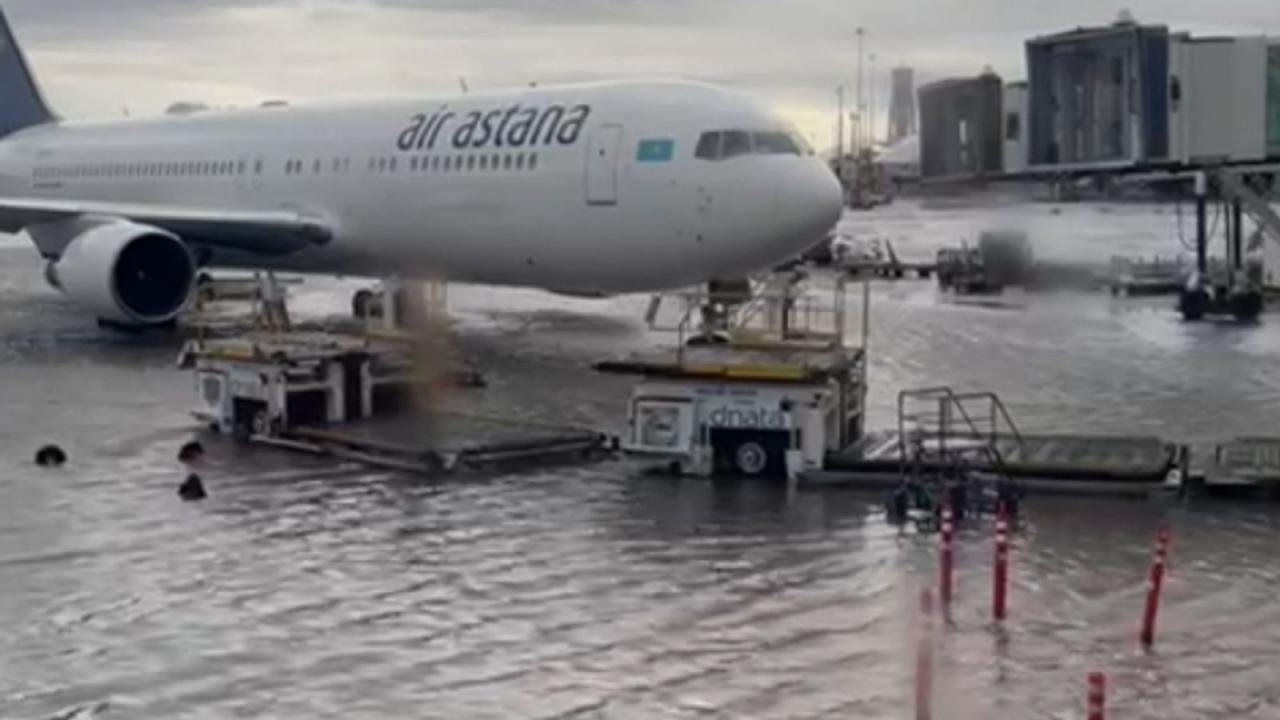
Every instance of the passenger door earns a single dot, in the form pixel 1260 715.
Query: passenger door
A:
pixel 602 165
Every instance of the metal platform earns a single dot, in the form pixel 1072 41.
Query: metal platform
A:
pixel 742 361
pixel 1245 466
pixel 1074 464
pixel 437 444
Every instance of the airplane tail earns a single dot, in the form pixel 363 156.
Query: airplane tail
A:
pixel 21 104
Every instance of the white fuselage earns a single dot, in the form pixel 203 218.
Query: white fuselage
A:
pixel 584 189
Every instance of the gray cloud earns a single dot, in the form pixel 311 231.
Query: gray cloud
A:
pixel 96 55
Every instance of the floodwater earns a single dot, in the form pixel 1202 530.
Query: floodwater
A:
pixel 312 590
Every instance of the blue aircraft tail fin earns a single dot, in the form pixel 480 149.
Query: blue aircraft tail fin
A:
pixel 21 105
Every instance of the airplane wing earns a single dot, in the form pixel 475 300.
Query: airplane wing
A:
pixel 269 232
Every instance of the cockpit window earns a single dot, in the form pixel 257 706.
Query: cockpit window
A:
pixel 724 144
pixel 708 146
pixel 736 142
pixel 775 143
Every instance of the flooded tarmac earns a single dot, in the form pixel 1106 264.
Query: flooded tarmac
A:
pixel 302 588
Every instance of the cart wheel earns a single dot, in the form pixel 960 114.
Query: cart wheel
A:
pixel 262 425
pixel 751 458
pixel 362 304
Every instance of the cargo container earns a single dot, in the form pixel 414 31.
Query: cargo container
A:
pixel 1015 127
pixel 1273 100
pixel 1217 99
pixel 1099 97
pixel 961 125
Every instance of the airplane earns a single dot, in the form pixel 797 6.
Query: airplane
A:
pixel 588 190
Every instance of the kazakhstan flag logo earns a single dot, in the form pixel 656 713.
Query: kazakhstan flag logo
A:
pixel 656 150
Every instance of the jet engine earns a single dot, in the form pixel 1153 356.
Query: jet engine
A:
pixel 126 273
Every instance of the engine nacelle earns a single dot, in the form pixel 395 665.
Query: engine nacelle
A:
pixel 126 273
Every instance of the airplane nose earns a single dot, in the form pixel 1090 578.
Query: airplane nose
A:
pixel 810 203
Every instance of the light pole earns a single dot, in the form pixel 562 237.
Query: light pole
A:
pixel 871 114
pixel 859 104
pixel 840 129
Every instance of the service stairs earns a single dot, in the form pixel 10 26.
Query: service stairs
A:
pixel 949 443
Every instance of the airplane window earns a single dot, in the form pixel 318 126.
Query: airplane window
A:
pixel 382 164
pixel 708 146
pixel 736 142
pixel 774 143
pixel 519 161
pixel 257 166
pixel 318 167
pixel 435 163
pixel 495 162
pixel 484 161
pixel 506 162
pixel 392 165
pixel 413 164
pixel 533 161
pixel 471 162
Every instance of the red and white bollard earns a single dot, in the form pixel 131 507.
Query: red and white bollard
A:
pixel 1097 701
pixel 924 658
pixel 1155 582
pixel 1000 573
pixel 945 569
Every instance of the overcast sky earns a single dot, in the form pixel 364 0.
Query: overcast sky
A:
pixel 95 58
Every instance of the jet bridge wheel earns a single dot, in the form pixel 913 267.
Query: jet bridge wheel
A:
pixel 1247 306
pixel 1193 304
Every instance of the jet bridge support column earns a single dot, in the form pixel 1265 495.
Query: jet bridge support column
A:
pixel 1202 225
pixel 1237 234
